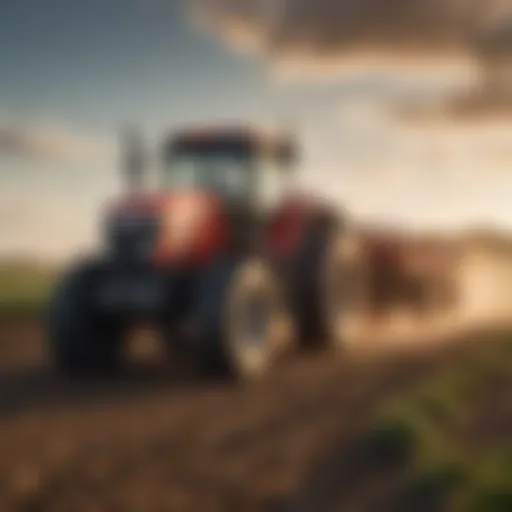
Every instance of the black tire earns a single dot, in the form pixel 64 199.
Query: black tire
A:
pixel 226 299
pixel 81 343
pixel 305 285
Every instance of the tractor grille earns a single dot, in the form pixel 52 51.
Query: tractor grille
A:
pixel 133 238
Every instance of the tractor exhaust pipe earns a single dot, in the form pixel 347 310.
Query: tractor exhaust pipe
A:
pixel 133 159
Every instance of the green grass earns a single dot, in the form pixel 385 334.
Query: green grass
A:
pixel 426 431
pixel 24 288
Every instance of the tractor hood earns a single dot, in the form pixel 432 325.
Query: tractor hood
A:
pixel 167 228
pixel 139 203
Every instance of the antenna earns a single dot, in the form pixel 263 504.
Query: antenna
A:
pixel 133 157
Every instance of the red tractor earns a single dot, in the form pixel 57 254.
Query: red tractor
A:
pixel 224 259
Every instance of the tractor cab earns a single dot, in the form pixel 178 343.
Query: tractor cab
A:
pixel 238 165
pixel 216 188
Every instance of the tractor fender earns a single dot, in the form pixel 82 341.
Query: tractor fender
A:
pixel 294 224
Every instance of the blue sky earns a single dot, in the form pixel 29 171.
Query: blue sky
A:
pixel 84 68
pixel 99 62
pixel 74 71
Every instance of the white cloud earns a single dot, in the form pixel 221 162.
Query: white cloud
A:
pixel 50 141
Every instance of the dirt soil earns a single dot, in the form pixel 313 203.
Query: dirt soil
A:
pixel 153 441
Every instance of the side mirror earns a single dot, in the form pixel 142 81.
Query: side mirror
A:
pixel 133 159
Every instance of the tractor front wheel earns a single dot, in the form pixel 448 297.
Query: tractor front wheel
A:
pixel 81 342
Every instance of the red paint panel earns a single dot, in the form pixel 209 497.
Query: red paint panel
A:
pixel 199 239
pixel 288 228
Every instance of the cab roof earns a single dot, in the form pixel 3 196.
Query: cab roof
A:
pixel 237 138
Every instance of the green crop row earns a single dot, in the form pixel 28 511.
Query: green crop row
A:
pixel 429 433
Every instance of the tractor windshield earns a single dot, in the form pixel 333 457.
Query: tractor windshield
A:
pixel 222 172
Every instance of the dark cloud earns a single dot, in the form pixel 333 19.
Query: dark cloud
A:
pixel 485 102
pixel 389 29
pixel 322 27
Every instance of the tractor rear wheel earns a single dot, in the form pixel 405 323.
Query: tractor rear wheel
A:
pixel 81 342
pixel 243 321
pixel 305 287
